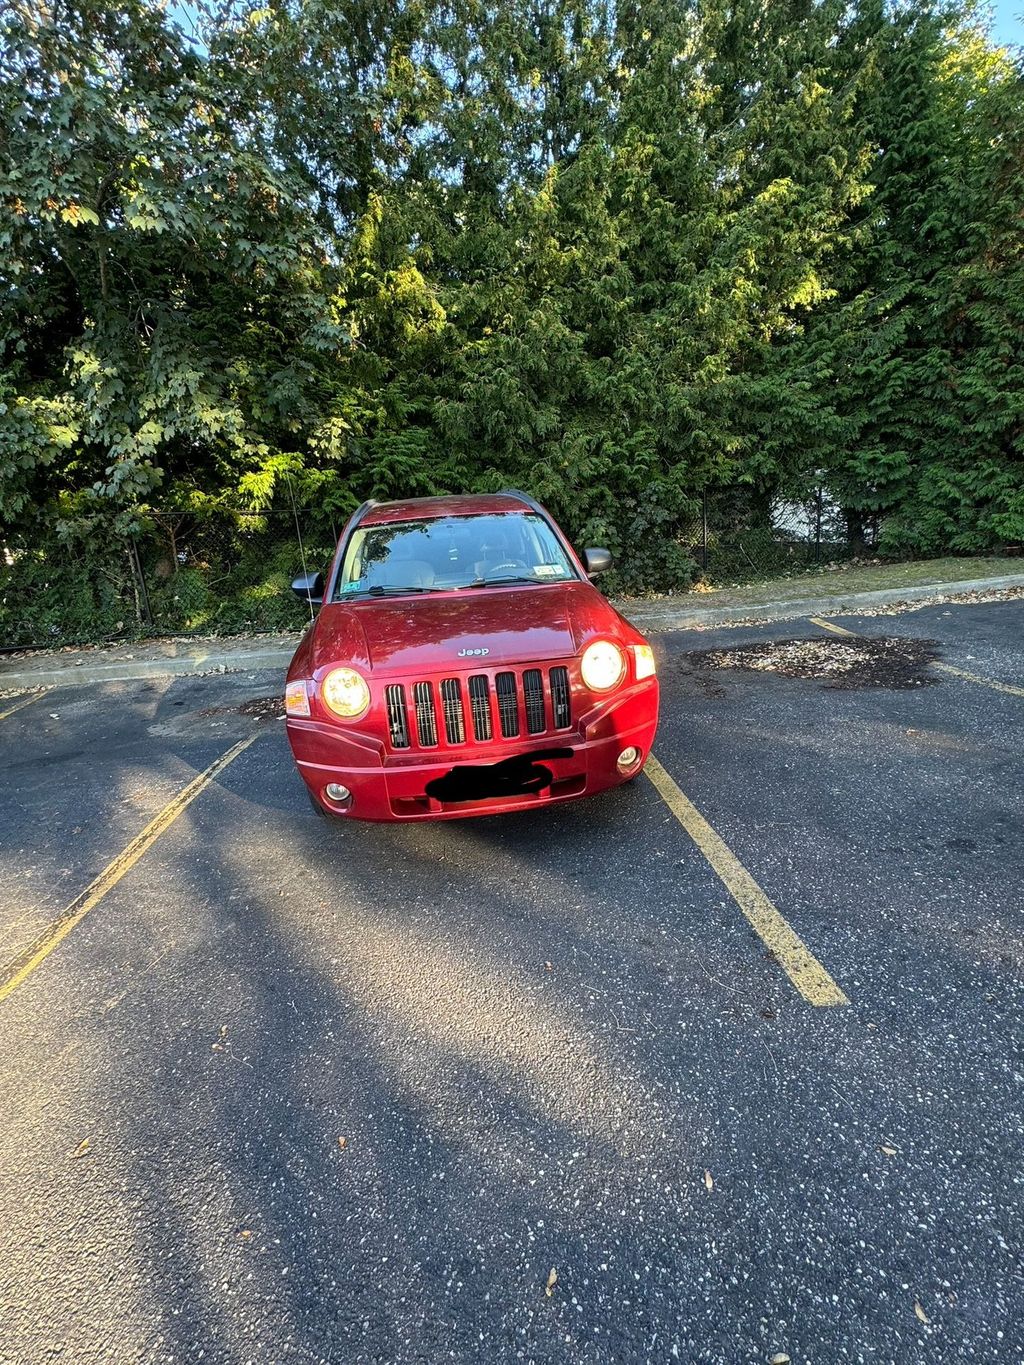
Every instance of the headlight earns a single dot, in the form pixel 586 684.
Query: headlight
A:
pixel 644 657
pixel 345 693
pixel 602 666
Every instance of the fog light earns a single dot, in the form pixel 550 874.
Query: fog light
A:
pixel 628 759
pixel 334 791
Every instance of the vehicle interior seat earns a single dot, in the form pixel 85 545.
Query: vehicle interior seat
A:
pixel 400 571
pixel 502 549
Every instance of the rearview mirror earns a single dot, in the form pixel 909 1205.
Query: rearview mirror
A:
pixel 596 561
pixel 309 587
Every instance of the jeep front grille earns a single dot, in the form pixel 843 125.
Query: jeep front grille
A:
pixel 560 697
pixel 500 704
pixel 508 705
pixel 533 692
pixel 398 721
pixel 480 705
pixel 454 720
pixel 426 717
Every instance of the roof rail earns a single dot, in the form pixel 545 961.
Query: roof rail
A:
pixel 532 503
pixel 361 512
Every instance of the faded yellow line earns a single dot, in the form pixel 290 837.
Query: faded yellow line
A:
pixel 789 950
pixel 15 971
pixel 20 705
pixel 827 625
pixel 945 668
pixel 984 682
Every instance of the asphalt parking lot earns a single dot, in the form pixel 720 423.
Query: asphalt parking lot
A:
pixel 565 1086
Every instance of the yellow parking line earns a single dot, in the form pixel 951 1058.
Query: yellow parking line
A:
pixel 944 668
pixel 827 625
pixel 20 705
pixel 984 682
pixel 796 959
pixel 14 972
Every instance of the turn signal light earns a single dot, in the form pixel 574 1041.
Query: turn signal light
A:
pixel 296 699
pixel 644 656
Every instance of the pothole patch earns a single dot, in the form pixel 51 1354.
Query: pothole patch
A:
pixel 847 664
pixel 260 708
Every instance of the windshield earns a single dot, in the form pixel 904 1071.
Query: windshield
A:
pixel 448 553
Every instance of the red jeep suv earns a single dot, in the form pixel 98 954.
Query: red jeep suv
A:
pixel 461 664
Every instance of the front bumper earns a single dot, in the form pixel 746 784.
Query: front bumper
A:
pixel 392 785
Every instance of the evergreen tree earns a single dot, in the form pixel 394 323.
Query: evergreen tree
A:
pixel 615 254
pixel 927 345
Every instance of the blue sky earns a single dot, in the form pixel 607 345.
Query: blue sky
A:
pixel 1008 26
pixel 1007 22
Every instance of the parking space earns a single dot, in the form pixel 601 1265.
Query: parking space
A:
pixel 295 1091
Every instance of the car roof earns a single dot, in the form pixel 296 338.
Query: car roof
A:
pixel 456 505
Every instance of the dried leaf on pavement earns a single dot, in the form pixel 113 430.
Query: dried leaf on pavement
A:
pixel 82 1148
pixel 709 1183
pixel 552 1281
pixel 922 1315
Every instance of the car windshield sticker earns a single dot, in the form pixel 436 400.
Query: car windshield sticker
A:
pixel 549 570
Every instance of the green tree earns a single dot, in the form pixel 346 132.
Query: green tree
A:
pixel 927 343
pixel 616 254
pixel 161 274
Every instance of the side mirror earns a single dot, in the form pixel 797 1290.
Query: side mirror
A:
pixel 309 588
pixel 596 561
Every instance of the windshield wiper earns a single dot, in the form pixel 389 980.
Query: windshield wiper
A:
pixel 382 590
pixel 506 578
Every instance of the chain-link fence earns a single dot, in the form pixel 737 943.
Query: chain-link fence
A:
pixel 56 595
pixel 217 570
pixel 224 573
pixel 739 538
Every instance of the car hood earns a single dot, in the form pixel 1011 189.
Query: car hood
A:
pixel 408 635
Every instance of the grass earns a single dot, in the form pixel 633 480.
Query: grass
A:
pixel 848 578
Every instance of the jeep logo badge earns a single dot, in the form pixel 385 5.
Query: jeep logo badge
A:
pixel 473 653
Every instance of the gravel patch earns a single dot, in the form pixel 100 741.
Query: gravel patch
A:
pixel 845 664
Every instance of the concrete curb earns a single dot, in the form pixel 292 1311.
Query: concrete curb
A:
pixel 77 675
pixel 664 616
pixel 650 617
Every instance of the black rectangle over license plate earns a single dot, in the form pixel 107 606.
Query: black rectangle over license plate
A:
pixel 521 775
